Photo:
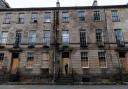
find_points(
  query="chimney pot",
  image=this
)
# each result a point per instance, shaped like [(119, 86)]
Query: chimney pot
[(95, 3)]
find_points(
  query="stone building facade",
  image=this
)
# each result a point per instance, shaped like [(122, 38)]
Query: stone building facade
[(37, 43)]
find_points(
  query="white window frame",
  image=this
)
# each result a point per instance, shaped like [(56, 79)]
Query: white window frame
[(105, 58), (21, 18), (65, 16), (7, 18), (32, 38), (115, 16), (85, 59), (34, 17), (83, 38), (47, 17), (81, 14), (46, 38), (4, 38), (97, 15), (65, 38)]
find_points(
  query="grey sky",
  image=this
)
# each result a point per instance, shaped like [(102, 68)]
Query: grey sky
[(52, 3)]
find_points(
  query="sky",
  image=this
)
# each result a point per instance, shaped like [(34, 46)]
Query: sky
[(52, 3)]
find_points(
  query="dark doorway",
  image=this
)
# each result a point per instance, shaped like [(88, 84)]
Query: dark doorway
[(15, 55), (122, 54), (45, 72), (85, 79), (65, 54), (14, 76)]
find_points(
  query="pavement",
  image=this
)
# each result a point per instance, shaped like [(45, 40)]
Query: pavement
[(63, 86)]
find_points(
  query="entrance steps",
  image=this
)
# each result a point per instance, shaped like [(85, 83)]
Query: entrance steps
[(4, 78), (65, 79)]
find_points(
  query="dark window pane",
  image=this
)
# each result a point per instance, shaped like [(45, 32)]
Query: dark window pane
[(122, 54)]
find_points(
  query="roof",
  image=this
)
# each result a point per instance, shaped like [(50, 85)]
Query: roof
[(5, 3), (64, 8)]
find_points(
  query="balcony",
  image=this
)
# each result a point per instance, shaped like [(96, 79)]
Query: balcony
[(65, 49), (15, 49)]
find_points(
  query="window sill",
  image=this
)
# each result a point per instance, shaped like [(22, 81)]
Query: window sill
[(31, 47), (6, 23), (85, 67), (116, 21), (33, 22), (103, 67), (1, 46), (97, 20), (65, 22), (28, 67), (82, 21), (47, 22), (19, 23)]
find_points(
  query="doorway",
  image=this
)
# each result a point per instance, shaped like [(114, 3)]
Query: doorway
[(65, 63), (15, 63)]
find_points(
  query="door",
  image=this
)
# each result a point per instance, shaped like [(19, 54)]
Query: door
[(65, 63), (15, 63), (65, 66)]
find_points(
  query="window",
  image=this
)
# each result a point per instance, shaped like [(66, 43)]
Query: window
[(101, 55), (119, 38), (17, 40), (21, 18), (83, 38), (4, 38), (84, 60), (102, 59), (46, 39), (81, 15), (32, 38), (99, 37), (34, 17), (7, 18), (65, 16), (30, 56), (65, 38), (84, 56), (115, 16), (122, 54), (47, 17), (97, 16), (1, 56)]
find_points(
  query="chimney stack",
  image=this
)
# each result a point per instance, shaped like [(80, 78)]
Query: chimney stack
[(95, 3), (57, 3)]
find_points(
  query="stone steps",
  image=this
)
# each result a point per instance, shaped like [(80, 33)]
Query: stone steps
[(4, 78), (65, 80)]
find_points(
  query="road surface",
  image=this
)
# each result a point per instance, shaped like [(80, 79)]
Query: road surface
[(63, 86)]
